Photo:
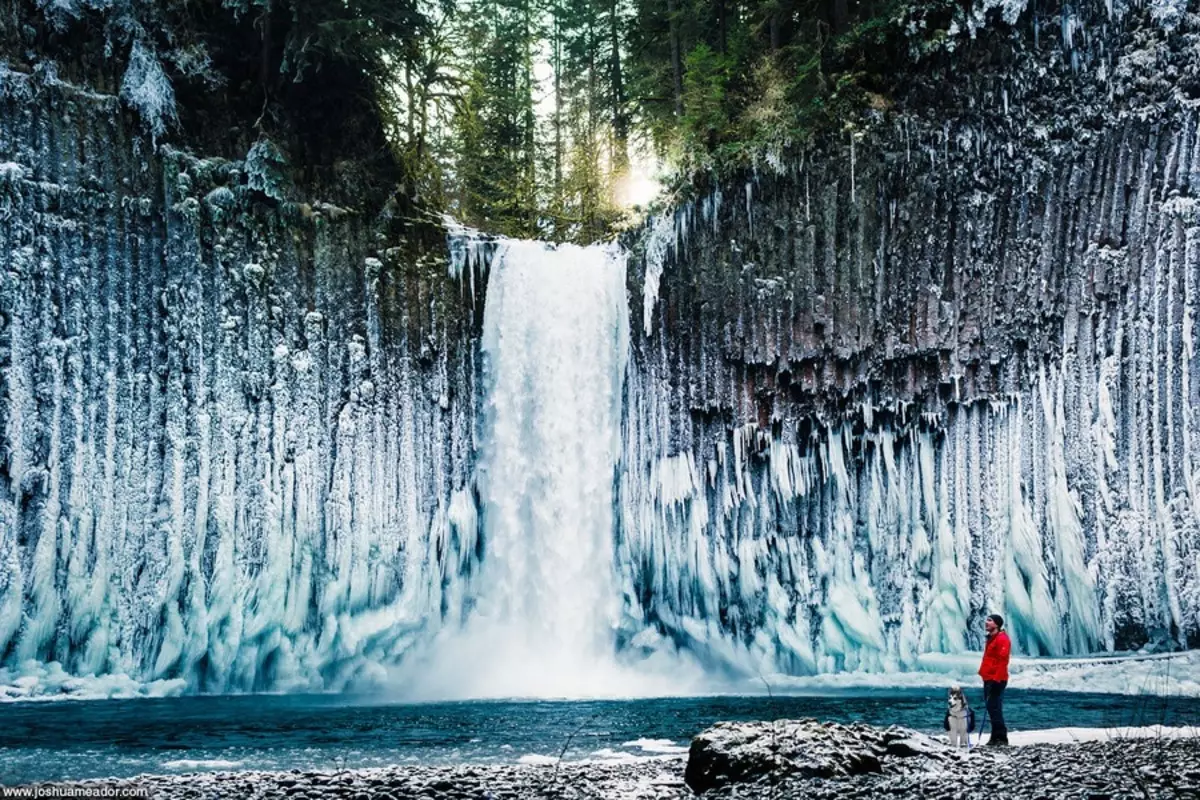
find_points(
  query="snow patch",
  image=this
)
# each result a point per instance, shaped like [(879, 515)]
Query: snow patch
[(977, 19), (1164, 675), (148, 90), (1079, 735), (12, 173), (607, 755), (1167, 14)]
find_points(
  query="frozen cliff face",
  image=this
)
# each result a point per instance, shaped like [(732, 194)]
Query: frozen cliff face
[(865, 547), (235, 435), (943, 367)]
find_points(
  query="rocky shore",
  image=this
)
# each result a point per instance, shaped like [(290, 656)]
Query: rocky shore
[(781, 761)]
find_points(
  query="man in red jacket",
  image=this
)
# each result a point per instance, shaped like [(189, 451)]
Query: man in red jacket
[(994, 671)]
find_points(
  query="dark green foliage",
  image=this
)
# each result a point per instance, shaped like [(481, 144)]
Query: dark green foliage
[(496, 122), (762, 78), (364, 33), (518, 116), (708, 76), (221, 75)]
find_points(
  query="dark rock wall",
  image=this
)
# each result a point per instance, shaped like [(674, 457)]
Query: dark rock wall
[(943, 366), (231, 427)]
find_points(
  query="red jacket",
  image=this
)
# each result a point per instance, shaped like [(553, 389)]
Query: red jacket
[(995, 657)]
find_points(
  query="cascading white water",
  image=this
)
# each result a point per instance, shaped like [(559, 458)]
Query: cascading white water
[(555, 342), (545, 603)]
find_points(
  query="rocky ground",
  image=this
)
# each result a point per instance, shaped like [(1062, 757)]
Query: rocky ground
[(781, 761), (812, 760)]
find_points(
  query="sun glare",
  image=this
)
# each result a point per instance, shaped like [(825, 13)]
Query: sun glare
[(640, 186)]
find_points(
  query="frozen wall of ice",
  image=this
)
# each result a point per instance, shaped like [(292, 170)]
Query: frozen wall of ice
[(945, 365), (235, 434)]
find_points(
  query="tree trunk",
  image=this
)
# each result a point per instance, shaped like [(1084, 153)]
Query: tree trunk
[(839, 15), (620, 122), (558, 137), (410, 92), (776, 21), (529, 177), (676, 56), (265, 76), (722, 26)]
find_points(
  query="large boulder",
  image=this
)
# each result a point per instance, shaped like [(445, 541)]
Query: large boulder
[(748, 752)]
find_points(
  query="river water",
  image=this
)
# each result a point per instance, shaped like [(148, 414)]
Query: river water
[(83, 739)]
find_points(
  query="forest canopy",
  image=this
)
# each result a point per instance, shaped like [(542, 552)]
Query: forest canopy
[(521, 117), (543, 117)]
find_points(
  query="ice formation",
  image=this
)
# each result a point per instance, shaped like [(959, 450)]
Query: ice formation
[(228, 447), (856, 552), (870, 538)]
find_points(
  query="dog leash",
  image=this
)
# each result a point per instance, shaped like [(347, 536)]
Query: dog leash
[(979, 735)]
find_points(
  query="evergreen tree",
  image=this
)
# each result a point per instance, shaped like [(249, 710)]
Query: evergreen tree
[(497, 172), (472, 129)]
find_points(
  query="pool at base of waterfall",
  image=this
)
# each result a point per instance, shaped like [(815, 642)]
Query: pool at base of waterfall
[(73, 740)]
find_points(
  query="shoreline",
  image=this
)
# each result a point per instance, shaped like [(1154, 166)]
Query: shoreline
[(1165, 766)]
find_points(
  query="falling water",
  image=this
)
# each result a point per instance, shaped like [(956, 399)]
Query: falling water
[(555, 341), (545, 604)]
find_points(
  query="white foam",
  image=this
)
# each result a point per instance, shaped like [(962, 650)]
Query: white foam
[(537, 759), (656, 746), (35, 680), (193, 764)]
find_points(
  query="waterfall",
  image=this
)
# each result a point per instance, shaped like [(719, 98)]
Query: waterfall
[(554, 344), (543, 608)]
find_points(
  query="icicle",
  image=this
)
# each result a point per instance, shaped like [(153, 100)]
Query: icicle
[(749, 206), (660, 242), (853, 180)]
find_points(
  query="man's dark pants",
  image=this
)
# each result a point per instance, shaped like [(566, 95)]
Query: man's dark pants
[(993, 697)]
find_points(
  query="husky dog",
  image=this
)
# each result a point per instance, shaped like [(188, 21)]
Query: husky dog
[(957, 711)]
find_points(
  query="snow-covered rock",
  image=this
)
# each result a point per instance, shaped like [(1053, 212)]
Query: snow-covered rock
[(746, 752)]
